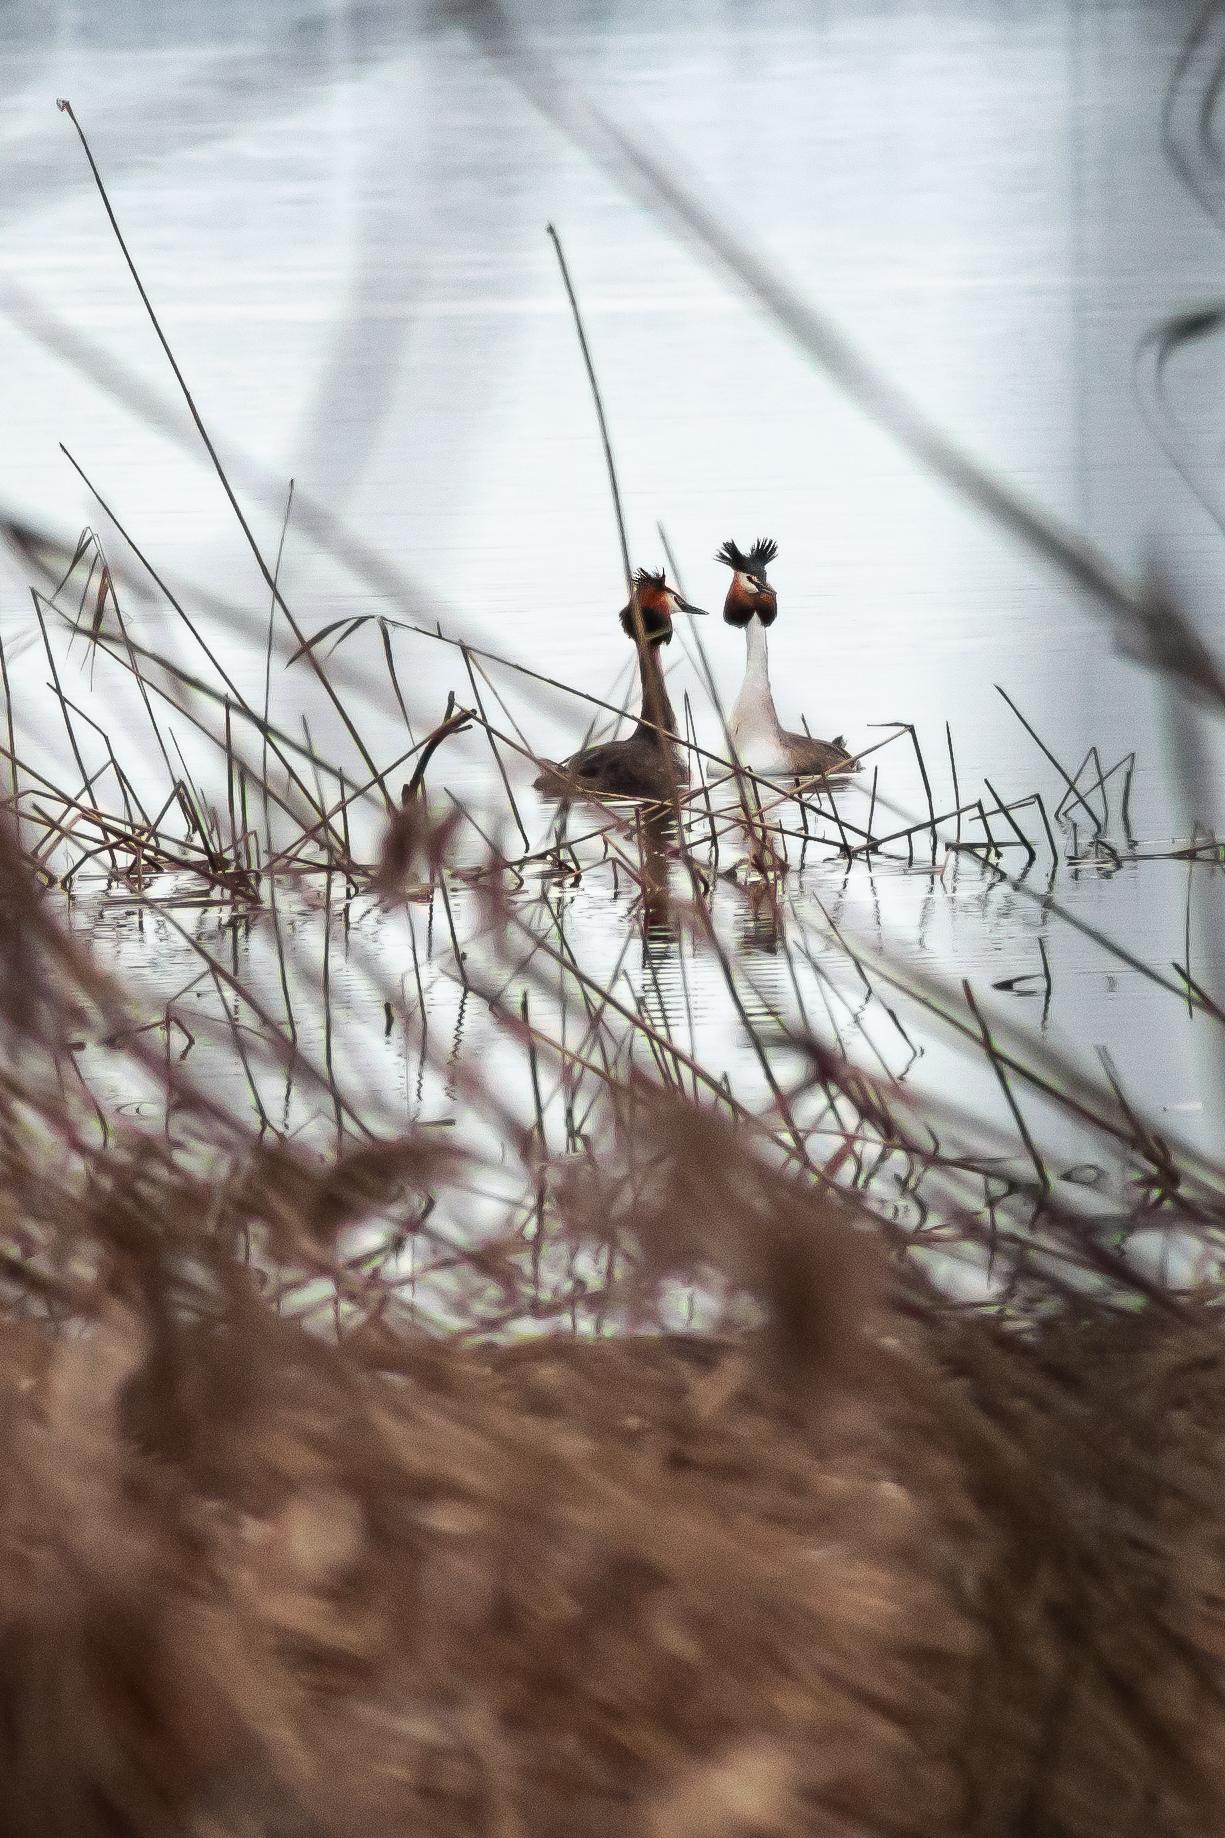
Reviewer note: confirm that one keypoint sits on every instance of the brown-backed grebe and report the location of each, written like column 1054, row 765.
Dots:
column 649, row 763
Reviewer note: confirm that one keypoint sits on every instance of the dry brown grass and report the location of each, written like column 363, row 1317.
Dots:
column 865, row 1565
column 255, row 1582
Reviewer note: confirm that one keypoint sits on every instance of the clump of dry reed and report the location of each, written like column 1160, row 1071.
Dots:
column 851, row 1561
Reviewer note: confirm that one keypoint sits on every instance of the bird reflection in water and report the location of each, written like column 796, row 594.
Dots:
column 655, row 831
column 759, row 929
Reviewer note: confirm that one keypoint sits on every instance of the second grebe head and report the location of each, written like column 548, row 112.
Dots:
column 650, row 610
column 750, row 594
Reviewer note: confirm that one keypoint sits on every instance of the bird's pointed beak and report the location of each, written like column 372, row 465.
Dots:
column 685, row 607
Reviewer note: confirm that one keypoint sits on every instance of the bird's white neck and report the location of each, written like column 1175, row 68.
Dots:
column 754, row 724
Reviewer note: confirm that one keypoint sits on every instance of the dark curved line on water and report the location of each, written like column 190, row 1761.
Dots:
column 1197, row 161
column 1154, row 353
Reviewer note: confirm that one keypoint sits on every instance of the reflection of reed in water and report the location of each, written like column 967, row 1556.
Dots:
column 759, row 930
column 655, row 833
column 766, row 975
column 665, row 997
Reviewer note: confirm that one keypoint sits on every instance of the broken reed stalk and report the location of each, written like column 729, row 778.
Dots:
column 1072, row 790
column 927, row 788
column 1092, row 758
column 948, row 736
column 1005, row 812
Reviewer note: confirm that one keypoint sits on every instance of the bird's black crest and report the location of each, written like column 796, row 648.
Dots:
column 731, row 557
column 755, row 562
column 644, row 577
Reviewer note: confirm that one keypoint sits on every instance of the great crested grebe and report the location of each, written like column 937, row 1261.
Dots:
column 649, row 764
column 760, row 740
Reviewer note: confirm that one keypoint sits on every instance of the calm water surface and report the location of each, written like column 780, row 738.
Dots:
column 340, row 214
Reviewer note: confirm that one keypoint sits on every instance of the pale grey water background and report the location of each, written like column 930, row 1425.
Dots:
column 339, row 213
